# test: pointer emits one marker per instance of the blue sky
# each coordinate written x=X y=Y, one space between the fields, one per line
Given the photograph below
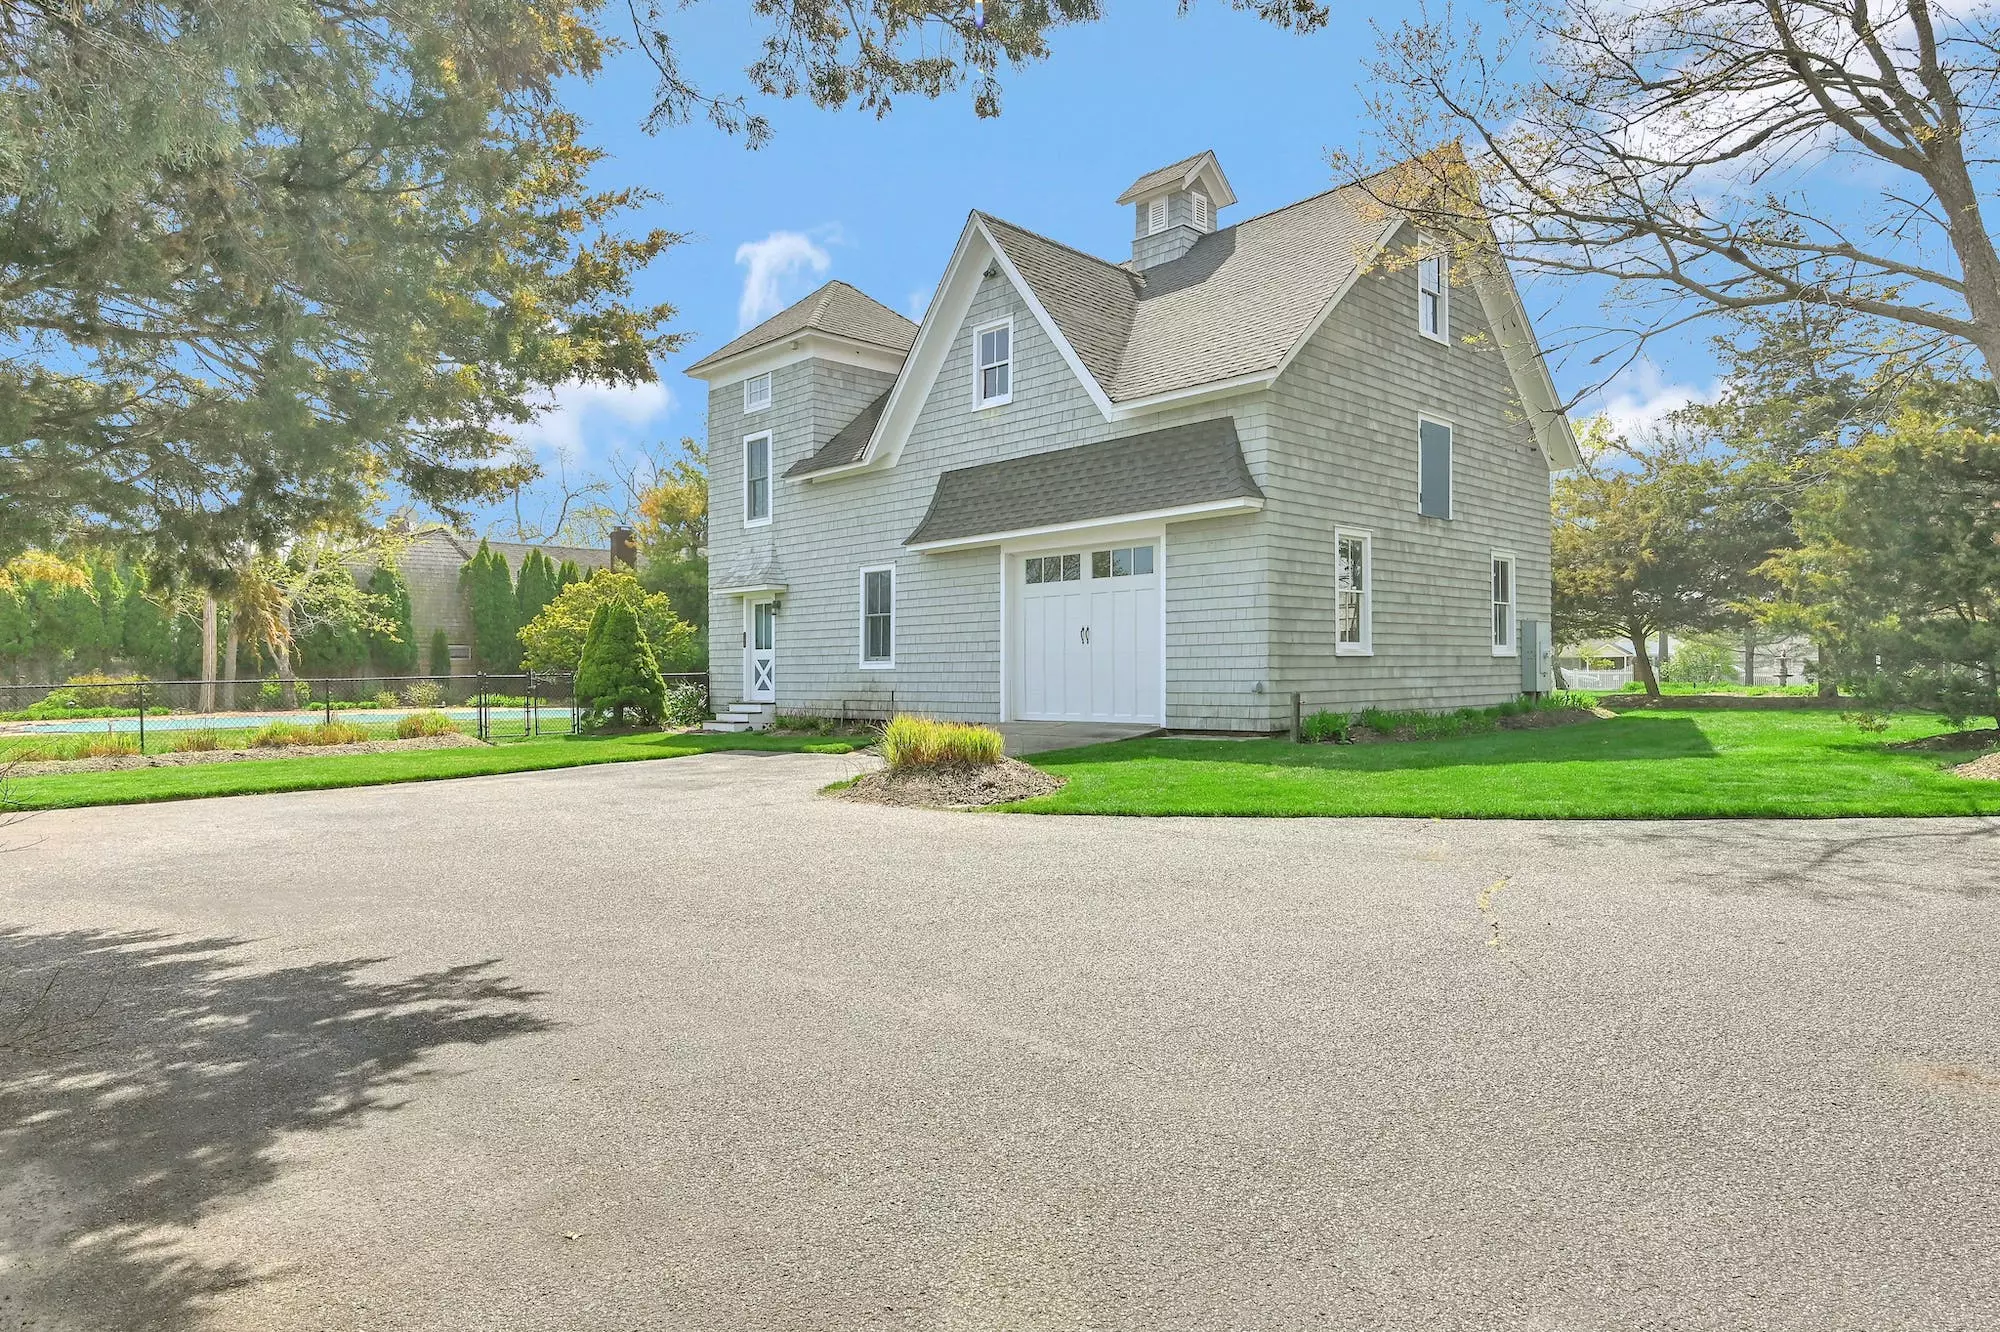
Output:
x=879 y=203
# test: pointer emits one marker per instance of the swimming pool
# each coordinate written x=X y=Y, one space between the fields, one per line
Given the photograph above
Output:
x=558 y=717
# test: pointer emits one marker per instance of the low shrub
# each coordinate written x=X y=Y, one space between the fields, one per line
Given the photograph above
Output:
x=828 y=747
x=288 y=735
x=920 y=742
x=194 y=742
x=112 y=744
x=687 y=705
x=386 y=698
x=424 y=693
x=270 y=694
x=1323 y=726
x=424 y=723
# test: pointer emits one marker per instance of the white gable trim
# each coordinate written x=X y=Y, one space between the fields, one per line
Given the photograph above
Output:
x=806 y=345
x=1180 y=512
x=1530 y=368
x=941 y=325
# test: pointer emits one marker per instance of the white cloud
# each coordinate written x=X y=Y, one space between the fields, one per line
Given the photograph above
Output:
x=577 y=416
x=1642 y=397
x=919 y=301
x=773 y=266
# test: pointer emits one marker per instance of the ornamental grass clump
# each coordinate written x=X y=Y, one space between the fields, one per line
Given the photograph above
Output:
x=197 y=742
x=919 y=742
x=423 y=724
x=291 y=735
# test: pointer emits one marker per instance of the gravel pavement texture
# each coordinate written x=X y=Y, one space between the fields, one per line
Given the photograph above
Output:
x=684 y=1045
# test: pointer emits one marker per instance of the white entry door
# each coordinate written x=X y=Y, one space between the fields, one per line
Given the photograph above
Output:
x=760 y=666
x=1088 y=646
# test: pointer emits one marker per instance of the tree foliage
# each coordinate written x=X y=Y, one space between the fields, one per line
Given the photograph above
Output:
x=1703 y=156
x=1647 y=540
x=488 y=587
x=262 y=259
x=1898 y=562
x=617 y=670
x=392 y=645
x=672 y=533
x=554 y=640
x=535 y=588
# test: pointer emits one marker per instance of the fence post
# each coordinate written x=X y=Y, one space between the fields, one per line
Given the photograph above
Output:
x=328 y=685
x=479 y=703
x=142 y=718
x=1297 y=730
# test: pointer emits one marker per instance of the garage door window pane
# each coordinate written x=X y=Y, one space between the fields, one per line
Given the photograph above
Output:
x=1100 y=564
x=1072 y=568
x=1142 y=559
x=1033 y=566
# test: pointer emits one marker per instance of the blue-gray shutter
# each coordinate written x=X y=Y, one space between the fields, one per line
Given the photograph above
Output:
x=1433 y=470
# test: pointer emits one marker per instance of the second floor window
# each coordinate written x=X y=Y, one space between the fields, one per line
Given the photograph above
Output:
x=757 y=479
x=757 y=392
x=1433 y=298
x=993 y=375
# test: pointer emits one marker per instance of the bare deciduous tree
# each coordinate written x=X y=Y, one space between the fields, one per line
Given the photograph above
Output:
x=1711 y=156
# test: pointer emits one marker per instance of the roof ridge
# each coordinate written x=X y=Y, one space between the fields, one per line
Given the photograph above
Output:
x=1064 y=245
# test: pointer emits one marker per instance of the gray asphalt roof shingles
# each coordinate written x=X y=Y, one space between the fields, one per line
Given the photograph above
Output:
x=848 y=443
x=1160 y=469
x=835 y=308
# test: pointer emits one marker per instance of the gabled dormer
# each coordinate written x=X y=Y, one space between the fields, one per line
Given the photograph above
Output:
x=1174 y=207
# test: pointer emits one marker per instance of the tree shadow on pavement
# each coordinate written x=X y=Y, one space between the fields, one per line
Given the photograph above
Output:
x=1835 y=860
x=147 y=1080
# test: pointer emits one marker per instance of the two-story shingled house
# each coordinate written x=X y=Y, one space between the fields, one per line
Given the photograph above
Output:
x=1253 y=460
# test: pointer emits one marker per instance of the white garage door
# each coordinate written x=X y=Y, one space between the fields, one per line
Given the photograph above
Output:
x=1089 y=642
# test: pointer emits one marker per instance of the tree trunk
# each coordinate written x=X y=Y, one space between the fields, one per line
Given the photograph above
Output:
x=1823 y=674
x=284 y=649
x=1750 y=654
x=206 y=701
x=1642 y=666
x=230 y=646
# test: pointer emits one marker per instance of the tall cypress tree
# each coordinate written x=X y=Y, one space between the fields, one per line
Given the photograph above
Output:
x=536 y=587
x=489 y=596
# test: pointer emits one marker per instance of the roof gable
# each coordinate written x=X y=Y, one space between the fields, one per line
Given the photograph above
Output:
x=1180 y=175
x=835 y=309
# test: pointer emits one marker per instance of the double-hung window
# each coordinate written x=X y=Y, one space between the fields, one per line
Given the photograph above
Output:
x=993 y=364
x=757 y=479
x=878 y=617
x=757 y=392
x=1434 y=298
x=1156 y=217
x=1504 y=643
x=1354 y=594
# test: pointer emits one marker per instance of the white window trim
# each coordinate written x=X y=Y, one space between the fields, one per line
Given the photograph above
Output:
x=1451 y=466
x=1366 y=647
x=1165 y=211
x=766 y=381
x=861 y=594
x=770 y=478
x=978 y=377
x=1513 y=648
x=1443 y=333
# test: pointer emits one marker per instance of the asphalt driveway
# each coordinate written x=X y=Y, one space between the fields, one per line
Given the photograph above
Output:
x=681 y=1045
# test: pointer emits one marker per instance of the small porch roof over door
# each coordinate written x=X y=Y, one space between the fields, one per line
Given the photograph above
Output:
x=1183 y=471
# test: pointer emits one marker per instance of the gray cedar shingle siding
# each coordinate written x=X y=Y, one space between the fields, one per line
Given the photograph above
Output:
x=848 y=443
x=1161 y=469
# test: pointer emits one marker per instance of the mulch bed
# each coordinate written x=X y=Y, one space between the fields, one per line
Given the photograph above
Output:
x=1951 y=741
x=123 y=762
x=1984 y=769
x=954 y=786
x=1527 y=721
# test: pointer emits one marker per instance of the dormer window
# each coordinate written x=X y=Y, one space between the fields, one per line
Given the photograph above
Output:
x=1156 y=217
x=1433 y=298
x=757 y=392
x=993 y=363
x=1204 y=220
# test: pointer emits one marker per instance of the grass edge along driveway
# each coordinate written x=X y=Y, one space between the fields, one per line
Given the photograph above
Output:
x=1665 y=763
x=309 y=772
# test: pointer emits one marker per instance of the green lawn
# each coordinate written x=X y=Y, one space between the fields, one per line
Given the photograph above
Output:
x=309 y=772
x=1663 y=764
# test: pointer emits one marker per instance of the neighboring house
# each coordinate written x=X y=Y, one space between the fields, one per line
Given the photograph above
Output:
x=430 y=563
x=1607 y=663
x=1252 y=460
